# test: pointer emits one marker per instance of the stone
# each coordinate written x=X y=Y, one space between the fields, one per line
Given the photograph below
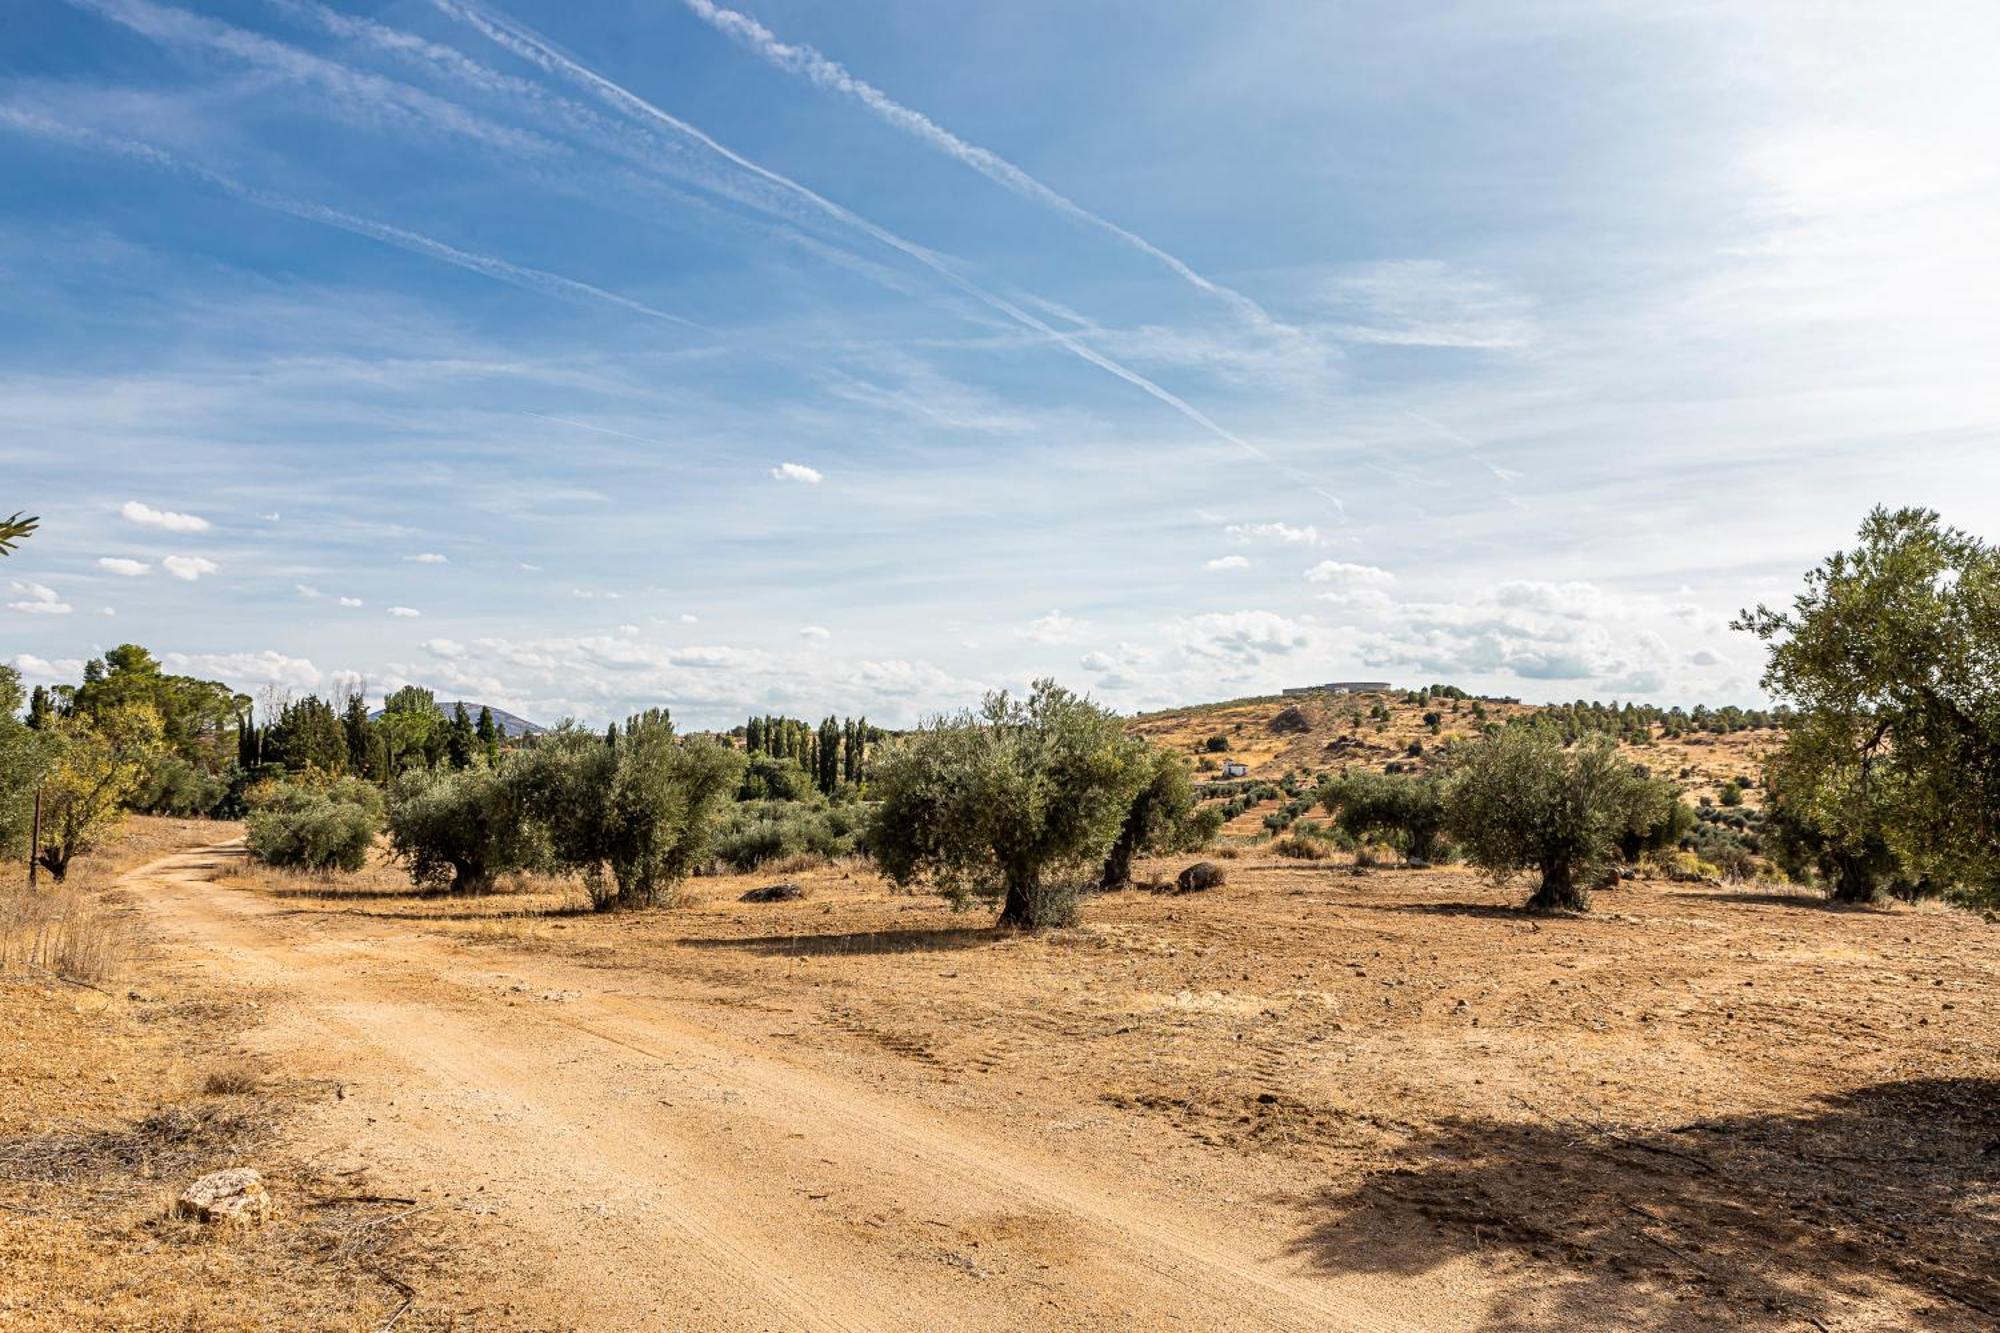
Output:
x=236 y=1196
x=774 y=893
x=1201 y=875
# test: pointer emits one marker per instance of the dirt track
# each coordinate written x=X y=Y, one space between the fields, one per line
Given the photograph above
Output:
x=1309 y=1102
x=653 y=1171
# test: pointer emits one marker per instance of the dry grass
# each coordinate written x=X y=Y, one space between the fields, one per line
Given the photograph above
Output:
x=111 y=1101
x=67 y=931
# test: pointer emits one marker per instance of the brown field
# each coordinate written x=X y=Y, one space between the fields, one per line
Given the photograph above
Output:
x=1308 y=1100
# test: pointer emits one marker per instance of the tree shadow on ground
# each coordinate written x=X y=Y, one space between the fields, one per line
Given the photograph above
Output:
x=1489 y=911
x=1808 y=901
x=1771 y=1221
x=859 y=942
x=509 y=914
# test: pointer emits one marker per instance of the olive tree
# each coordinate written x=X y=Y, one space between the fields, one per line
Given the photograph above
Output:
x=1164 y=816
x=630 y=810
x=459 y=829
x=1890 y=658
x=1523 y=800
x=1410 y=809
x=1019 y=801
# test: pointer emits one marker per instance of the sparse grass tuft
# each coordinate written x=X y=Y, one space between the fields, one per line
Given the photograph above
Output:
x=232 y=1080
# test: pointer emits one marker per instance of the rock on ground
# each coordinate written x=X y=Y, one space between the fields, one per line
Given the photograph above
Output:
x=235 y=1195
x=1201 y=875
x=774 y=893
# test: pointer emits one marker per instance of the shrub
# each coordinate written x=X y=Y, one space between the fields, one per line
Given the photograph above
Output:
x=1217 y=744
x=1732 y=795
x=316 y=828
x=177 y=787
x=1302 y=847
x=458 y=829
x=758 y=834
x=1522 y=800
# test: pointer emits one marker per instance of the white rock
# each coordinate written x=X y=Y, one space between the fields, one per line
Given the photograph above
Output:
x=236 y=1195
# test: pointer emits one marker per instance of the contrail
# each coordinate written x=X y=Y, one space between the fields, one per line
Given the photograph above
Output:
x=825 y=72
x=369 y=94
x=523 y=42
x=518 y=275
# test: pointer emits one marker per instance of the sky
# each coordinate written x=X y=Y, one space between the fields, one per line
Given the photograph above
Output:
x=864 y=357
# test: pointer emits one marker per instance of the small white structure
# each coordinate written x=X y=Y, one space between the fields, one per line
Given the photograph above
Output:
x=1235 y=768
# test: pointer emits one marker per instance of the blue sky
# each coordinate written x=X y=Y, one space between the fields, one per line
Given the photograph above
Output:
x=862 y=357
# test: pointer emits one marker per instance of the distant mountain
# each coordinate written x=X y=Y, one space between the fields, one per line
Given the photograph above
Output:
x=511 y=726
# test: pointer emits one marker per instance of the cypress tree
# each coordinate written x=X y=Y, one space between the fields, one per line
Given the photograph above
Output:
x=459 y=738
x=354 y=723
x=40 y=710
x=489 y=736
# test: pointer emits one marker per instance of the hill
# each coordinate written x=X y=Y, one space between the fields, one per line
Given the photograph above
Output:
x=511 y=725
x=1320 y=734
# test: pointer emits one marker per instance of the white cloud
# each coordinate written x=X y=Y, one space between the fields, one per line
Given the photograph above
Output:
x=242 y=670
x=443 y=647
x=150 y=517
x=1055 y=627
x=628 y=629
x=1245 y=637
x=107 y=611
x=1096 y=661
x=41 y=668
x=532 y=569
x=37 y=599
x=189 y=567
x=405 y=612
x=1348 y=575
x=798 y=472
x=594 y=595
x=123 y=566
x=350 y=601
x=270 y=518
x=307 y=591
x=1228 y=562
x=1275 y=532
x=816 y=632
x=690 y=618
x=427 y=558
x=1706 y=657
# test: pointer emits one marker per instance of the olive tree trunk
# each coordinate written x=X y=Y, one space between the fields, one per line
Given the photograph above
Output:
x=1559 y=891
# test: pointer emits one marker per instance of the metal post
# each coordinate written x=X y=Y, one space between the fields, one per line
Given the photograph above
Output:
x=35 y=839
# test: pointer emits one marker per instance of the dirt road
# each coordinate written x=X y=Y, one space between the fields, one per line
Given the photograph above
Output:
x=640 y=1166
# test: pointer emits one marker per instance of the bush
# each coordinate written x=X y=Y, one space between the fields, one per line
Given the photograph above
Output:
x=315 y=828
x=178 y=787
x=458 y=829
x=762 y=833
x=1302 y=847
x=1522 y=800
x=1217 y=744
